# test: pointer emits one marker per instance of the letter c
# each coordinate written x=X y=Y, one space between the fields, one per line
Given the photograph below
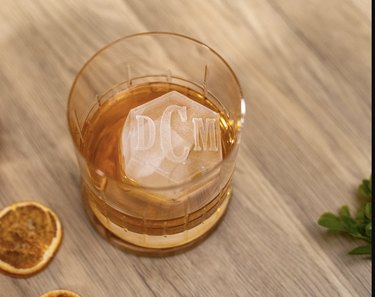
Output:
x=166 y=133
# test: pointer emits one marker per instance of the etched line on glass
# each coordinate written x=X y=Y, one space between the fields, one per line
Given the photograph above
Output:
x=129 y=75
x=186 y=220
x=78 y=127
x=204 y=215
x=98 y=100
x=125 y=224
x=165 y=228
x=205 y=81
x=140 y=79
x=144 y=229
x=100 y=180
x=169 y=75
x=106 y=209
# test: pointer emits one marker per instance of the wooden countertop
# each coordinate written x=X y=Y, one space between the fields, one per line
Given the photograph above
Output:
x=305 y=70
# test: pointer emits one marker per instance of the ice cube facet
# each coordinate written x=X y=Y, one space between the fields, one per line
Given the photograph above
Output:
x=169 y=140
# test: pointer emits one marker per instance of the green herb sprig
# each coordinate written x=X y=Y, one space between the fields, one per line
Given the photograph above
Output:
x=359 y=226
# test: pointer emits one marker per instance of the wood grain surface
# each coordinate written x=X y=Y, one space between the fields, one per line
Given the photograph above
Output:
x=305 y=71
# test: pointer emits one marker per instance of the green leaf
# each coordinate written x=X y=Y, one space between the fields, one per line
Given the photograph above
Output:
x=360 y=215
x=350 y=225
x=362 y=230
x=359 y=227
x=361 y=250
x=331 y=221
x=368 y=212
x=344 y=211
x=363 y=193
x=370 y=183
x=365 y=189
x=369 y=229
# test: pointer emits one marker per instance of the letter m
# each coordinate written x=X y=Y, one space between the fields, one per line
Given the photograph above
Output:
x=205 y=135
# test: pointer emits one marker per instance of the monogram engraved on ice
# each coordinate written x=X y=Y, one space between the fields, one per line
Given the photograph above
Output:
x=169 y=139
x=204 y=134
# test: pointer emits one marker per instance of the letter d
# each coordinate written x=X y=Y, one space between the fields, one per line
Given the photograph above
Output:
x=142 y=122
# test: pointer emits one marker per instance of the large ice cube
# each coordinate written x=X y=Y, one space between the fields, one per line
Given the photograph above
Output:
x=169 y=140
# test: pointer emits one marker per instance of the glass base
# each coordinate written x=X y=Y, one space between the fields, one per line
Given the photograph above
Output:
x=196 y=234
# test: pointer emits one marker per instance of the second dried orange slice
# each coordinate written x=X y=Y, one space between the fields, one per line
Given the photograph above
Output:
x=60 y=293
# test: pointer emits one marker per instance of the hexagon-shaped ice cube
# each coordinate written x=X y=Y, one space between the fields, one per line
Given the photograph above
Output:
x=169 y=140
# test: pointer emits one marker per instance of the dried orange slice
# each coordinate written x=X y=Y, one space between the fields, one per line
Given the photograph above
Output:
x=60 y=293
x=30 y=234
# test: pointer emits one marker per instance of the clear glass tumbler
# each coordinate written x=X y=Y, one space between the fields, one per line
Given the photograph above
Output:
x=154 y=217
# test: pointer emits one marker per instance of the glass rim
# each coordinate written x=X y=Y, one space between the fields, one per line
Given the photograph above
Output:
x=196 y=178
